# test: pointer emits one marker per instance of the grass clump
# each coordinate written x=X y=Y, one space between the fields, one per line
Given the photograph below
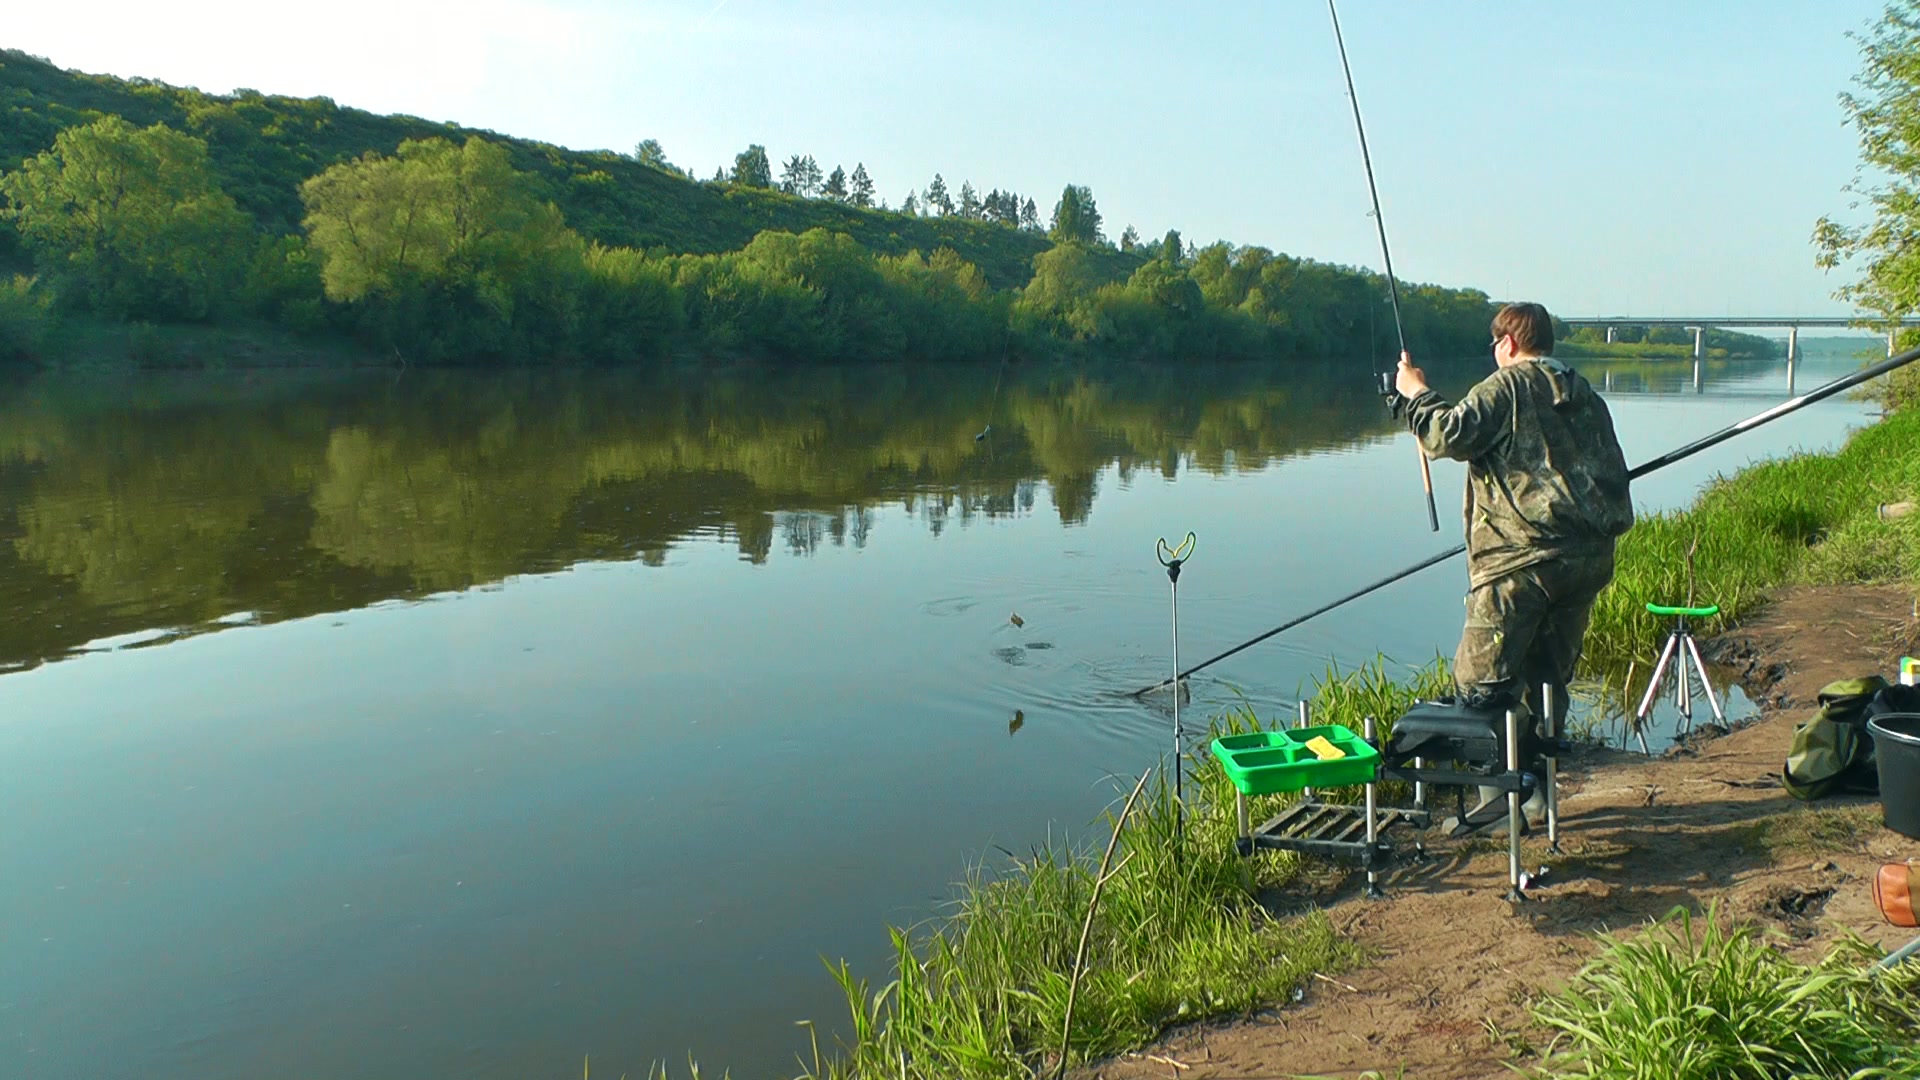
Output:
x=1704 y=1002
x=1809 y=517
x=1179 y=933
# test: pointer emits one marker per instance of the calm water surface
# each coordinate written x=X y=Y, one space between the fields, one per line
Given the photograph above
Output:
x=467 y=724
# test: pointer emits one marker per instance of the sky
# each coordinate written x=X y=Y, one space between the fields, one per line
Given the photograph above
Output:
x=1631 y=157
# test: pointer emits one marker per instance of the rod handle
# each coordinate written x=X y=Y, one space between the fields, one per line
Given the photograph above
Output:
x=1426 y=481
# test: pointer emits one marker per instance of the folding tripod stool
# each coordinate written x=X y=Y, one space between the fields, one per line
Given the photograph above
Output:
x=1680 y=647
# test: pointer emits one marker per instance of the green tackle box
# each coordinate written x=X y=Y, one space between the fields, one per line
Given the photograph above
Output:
x=1265 y=762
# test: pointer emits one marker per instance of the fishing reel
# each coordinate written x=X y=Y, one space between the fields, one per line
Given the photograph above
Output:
x=1390 y=394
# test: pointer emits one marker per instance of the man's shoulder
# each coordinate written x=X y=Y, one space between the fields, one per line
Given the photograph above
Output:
x=1502 y=379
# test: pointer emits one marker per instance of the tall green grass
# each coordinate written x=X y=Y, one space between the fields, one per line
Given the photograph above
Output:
x=1179 y=934
x=1809 y=517
x=1705 y=1002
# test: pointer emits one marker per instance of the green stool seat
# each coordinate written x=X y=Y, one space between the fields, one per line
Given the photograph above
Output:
x=1689 y=612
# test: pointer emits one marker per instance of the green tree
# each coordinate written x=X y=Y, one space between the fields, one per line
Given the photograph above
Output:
x=1075 y=218
x=1885 y=112
x=910 y=205
x=131 y=222
x=751 y=167
x=861 y=190
x=1172 y=249
x=650 y=154
x=970 y=202
x=1128 y=238
x=937 y=197
x=796 y=177
x=836 y=188
x=1030 y=216
x=433 y=212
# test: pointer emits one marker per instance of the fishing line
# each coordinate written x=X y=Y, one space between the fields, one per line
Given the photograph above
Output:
x=1845 y=382
x=1387 y=389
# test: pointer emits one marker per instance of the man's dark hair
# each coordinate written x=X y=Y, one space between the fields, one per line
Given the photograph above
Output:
x=1530 y=325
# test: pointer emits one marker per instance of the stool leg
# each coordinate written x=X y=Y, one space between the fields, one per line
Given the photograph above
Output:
x=1513 y=809
x=1653 y=688
x=1553 y=768
x=1705 y=686
x=1373 y=826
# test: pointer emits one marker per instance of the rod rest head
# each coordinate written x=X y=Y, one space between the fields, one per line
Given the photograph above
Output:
x=1471 y=733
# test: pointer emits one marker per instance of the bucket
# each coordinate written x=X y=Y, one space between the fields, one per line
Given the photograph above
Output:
x=1896 y=748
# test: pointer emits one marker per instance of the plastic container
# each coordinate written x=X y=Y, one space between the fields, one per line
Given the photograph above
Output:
x=1266 y=762
x=1909 y=671
x=1896 y=749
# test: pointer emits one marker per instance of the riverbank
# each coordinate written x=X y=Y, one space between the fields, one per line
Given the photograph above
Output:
x=1815 y=585
x=1446 y=981
x=1455 y=972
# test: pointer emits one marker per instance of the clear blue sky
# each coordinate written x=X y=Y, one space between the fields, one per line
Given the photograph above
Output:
x=1644 y=157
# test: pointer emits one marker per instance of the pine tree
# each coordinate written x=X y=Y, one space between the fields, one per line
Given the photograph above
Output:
x=1075 y=218
x=810 y=178
x=793 y=175
x=937 y=197
x=836 y=188
x=910 y=205
x=969 y=202
x=1128 y=239
x=1030 y=216
x=861 y=191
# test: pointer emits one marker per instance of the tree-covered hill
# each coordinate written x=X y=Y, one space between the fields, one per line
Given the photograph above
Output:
x=263 y=146
x=125 y=202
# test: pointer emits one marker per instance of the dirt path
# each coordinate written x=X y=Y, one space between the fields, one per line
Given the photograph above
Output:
x=1454 y=965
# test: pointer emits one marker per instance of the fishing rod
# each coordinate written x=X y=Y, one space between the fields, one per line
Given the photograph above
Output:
x=1845 y=382
x=1388 y=391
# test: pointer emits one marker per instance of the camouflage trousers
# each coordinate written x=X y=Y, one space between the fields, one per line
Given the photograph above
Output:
x=1526 y=628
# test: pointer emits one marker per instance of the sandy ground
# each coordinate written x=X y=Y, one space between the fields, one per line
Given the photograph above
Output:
x=1454 y=965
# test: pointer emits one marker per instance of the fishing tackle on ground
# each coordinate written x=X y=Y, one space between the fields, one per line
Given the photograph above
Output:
x=1843 y=383
x=1388 y=391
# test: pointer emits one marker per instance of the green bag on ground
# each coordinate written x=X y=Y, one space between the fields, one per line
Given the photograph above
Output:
x=1831 y=750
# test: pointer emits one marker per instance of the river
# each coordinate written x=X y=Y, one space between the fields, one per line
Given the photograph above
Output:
x=411 y=724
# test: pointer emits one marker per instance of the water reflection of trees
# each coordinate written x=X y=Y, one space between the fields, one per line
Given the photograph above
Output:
x=176 y=502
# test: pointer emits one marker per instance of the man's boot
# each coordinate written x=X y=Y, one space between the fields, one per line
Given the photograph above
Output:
x=1489 y=816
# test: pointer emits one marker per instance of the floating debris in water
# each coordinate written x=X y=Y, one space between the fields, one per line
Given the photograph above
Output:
x=1017 y=620
x=1019 y=721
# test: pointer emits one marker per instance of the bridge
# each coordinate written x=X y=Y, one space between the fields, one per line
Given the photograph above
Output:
x=1701 y=324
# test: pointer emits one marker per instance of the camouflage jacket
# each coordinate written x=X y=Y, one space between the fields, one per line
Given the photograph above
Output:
x=1545 y=475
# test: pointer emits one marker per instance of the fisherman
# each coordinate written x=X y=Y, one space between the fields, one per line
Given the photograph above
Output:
x=1546 y=497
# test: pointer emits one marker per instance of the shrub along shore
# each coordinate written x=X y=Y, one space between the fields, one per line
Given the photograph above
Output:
x=984 y=992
